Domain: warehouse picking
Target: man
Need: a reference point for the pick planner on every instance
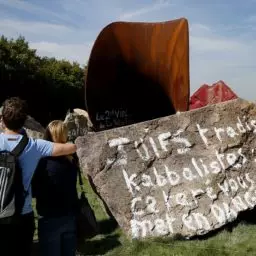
(17, 239)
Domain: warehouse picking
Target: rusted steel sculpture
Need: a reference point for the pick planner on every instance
(137, 72)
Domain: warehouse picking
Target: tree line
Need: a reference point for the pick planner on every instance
(49, 86)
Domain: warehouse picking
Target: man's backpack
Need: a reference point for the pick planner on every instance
(12, 192)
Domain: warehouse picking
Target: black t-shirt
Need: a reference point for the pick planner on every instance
(54, 187)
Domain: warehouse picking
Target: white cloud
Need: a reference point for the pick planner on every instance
(11, 28)
(34, 9)
(72, 52)
(49, 39)
(199, 28)
(218, 51)
(214, 57)
(142, 11)
(251, 19)
(213, 44)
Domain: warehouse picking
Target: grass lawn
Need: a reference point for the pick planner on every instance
(111, 241)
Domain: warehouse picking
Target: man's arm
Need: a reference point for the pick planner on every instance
(60, 149)
(47, 148)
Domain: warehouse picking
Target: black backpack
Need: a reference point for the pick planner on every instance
(12, 192)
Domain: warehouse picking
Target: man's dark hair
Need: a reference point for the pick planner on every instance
(14, 113)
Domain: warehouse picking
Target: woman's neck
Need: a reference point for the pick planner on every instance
(7, 131)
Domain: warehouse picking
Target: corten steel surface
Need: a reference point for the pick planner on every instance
(138, 71)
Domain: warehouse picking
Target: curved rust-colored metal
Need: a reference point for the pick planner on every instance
(138, 71)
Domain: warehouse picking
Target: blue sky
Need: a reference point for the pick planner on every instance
(222, 33)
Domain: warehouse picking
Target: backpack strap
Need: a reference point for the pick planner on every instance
(21, 146)
(81, 183)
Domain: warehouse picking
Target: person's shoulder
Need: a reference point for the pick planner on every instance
(60, 161)
(54, 164)
(40, 141)
(43, 147)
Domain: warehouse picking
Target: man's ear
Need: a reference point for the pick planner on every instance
(2, 123)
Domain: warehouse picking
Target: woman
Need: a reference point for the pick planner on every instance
(54, 187)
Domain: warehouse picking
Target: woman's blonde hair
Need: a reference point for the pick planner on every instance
(56, 131)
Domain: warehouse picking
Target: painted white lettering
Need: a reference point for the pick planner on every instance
(218, 213)
(247, 125)
(241, 182)
(188, 221)
(224, 187)
(141, 228)
(160, 227)
(169, 221)
(133, 208)
(202, 134)
(160, 179)
(231, 132)
(199, 171)
(240, 126)
(187, 174)
(201, 221)
(231, 159)
(215, 167)
(250, 199)
(154, 146)
(242, 155)
(253, 124)
(206, 171)
(145, 156)
(146, 181)
(220, 157)
(151, 203)
(218, 131)
(163, 140)
(231, 214)
(167, 200)
(119, 143)
(195, 193)
(181, 199)
(210, 193)
(249, 180)
(238, 203)
(177, 139)
(129, 182)
(172, 176)
(233, 185)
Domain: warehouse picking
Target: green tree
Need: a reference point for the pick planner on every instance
(50, 86)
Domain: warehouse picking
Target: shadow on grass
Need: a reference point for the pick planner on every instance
(100, 246)
(104, 244)
(107, 226)
(35, 249)
(248, 217)
(91, 247)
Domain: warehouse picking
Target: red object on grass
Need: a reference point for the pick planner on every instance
(206, 95)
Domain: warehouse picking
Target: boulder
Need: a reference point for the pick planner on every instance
(33, 128)
(181, 175)
(78, 123)
(84, 113)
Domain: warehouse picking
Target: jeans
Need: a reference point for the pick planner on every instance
(16, 239)
(57, 236)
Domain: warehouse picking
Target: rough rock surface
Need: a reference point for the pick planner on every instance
(78, 124)
(185, 174)
(84, 113)
(32, 128)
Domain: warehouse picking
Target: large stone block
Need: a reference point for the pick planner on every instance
(185, 174)
(78, 124)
